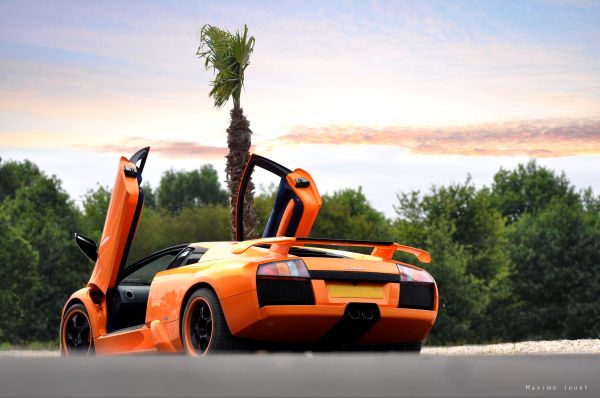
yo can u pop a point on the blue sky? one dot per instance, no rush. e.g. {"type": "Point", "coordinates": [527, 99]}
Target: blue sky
{"type": "Point", "coordinates": [392, 96]}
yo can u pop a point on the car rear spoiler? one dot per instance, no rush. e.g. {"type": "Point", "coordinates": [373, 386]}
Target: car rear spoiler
{"type": "Point", "coordinates": [282, 244]}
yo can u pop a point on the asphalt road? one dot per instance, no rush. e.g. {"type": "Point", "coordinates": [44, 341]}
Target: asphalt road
{"type": "Point", "coordinates": [284, 375]}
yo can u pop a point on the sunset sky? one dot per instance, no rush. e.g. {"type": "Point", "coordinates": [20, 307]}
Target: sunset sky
{"type": "Point", "coordinates": [392, 96]}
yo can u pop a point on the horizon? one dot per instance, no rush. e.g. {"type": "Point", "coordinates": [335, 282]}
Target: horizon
{"type": "Point", "coordinates": [389, 96]}
{"type": "Point", "coordinates": [264, 179]}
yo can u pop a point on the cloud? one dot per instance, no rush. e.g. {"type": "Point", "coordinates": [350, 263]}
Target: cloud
{"type": "Point", "coordinates": [535, 138]}
{"type": "Point", "coordinates": [175, 149]}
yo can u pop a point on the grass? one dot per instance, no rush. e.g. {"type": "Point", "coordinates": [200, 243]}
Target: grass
{"type": "Point", "coordinates": [32, 346]}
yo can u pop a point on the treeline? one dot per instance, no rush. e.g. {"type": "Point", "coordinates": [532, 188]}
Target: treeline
{"type": "Point", "coordinates": [516, 260]}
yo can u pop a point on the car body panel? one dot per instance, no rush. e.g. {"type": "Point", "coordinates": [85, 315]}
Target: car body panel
{"type": "Point", "coordinates": [296, 205]}
{"type": "Point", "coordinates": [398, 325]}
{"type": "Point", "coordinates": [311, 200]}
{"type": "Point", "coordinates": [137, 340]}
{"type": "Point", "coordinates": [122, 219]}
{"type": "Point", "coordinates": [96, 315]}
{"type": "Point", "coordinates": [235, 285]}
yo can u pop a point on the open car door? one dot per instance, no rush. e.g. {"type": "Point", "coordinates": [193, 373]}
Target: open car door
{"type": "Point", "coordinates": [122, 219]}
{"type": "Point", "coordinates": [297, 201]}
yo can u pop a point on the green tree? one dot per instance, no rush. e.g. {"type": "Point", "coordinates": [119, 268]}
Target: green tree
{"type": "Point", "coordinates": [14, 175]}
{"type": "Point", "coordinates": [18, 283]}
{"type": "Point", "coordinates": [160, 229]}
{"type": "Point", "coordinates": [556, 253]}
{"type": "Point", "coordinates": [551, 231]}
{"type": "Point", "coordinates": [150, 199]}
{"type": "Point", "coordinates": [95, 207]}
{"type": "Point", "coordinates": [47, 219]}
{"type": "Point", "coordinates": [477, 247]}
{"type": "Point", "coordinates": [462, 296]}
{"type": "Point", "coordinates": [347, 214]}
{"type": "Point", "coordinates": [528, 189]}
{"type": "Point", "coordinates": [228, 55]}
{"type": "Point", "coordinates": [263, 204]}
{"type": "Point", "coordinates": [534, 277]}
{"type": "Point", "coordinates": [180, 189]}
{"type": "Point", "coordinates": [192, 210]}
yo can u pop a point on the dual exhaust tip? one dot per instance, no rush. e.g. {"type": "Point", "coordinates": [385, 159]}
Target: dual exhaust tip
{"type": "Point", "coordinates": [357, 313]}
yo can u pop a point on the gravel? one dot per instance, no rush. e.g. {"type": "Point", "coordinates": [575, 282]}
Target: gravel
{"type": "Point", "coordinates": [30, 353]}
{"type": "Point", "coordinates": [588, 346]}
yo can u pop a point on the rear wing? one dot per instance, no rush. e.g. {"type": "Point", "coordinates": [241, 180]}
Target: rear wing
{"type": "Point", "coordinates": [282, 244]}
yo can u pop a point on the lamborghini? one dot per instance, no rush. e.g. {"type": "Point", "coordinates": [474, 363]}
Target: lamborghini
{"type": "Point", "coordinates": [283, 291]}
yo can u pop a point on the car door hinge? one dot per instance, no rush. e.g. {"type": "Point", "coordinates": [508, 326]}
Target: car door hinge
{"type": "Point", "coordinates": [130, 171]}
{"type": "Point", "coordinates": [302, 182]}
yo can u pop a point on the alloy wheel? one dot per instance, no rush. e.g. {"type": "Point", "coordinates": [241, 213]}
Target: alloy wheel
{"type": "Point", "coordinates": [77, 336]}
{"type": "Point", "coordinates": [200, 326]}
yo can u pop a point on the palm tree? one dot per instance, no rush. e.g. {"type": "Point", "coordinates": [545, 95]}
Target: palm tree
{"type": "Point", "coordinates": [228, 55]}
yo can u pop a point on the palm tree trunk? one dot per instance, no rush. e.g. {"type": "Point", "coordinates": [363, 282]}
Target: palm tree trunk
{"type": "Point", "coordinates": [238, 141]}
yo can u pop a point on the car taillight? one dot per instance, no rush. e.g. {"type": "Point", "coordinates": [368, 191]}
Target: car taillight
{"type": "Point", "coordinates": [408, 274]}
{"type": "Point", "coordinates": [287, 268]}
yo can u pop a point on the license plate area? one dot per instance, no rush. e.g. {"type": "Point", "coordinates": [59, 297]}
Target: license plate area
{"type": "Point", "coordinates": [355, 290]}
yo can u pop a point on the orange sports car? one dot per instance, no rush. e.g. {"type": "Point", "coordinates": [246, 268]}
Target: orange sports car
{"type": "Point", "coordinates": [282, 291]}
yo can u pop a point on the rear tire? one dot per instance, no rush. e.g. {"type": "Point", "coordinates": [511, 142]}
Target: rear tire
{"type": "Point", "coordinates": [411, 347]}
{"type": "Point", "coordinates": [76, 336]}
{"type": "Point", "coordinates": [204, 329]}
{"type": "Point", "coordinates": [414, 348]}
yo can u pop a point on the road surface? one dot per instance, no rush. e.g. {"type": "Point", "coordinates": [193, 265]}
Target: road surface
{"type": "Point", "coordinates": [302, 375]}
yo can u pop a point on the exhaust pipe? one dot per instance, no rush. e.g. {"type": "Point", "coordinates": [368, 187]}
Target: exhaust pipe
{"type": "Point", "coordinates": [362, 313]}
{"type": "Point", "coordinates": [354, 313]}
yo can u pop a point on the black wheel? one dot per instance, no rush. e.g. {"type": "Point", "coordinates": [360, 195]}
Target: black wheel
{"type": "Point", "coordinates": [75, 332]}
{"type": "Point", "coordinates": [203, 327]}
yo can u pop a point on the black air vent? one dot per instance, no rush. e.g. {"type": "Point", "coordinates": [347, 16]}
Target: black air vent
{"type": "Point", "coordinates": [355, 276]}
{"type": "Point", "coordinates": [274, 291]}
{"type": "Point", "coordinates": [416, 295]}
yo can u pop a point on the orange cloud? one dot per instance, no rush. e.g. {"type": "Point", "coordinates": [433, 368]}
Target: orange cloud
{"type": "Point", "coordinates": [535, 138]}
{"type": "Point", "coordinates": [178, 149]}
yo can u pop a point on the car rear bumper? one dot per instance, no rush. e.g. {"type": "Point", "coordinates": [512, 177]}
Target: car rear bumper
{"type": "Point", "coordinates": [311, 324]}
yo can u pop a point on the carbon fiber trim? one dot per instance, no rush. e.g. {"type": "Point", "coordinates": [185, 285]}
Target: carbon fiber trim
{"type": "Point", "coordinates": [351, 326]}
{"type": "Point", "coordinates": [418, 295]}
{"type": "Point", "coordinates": [355, 276]}
{"type": "Point", "coordinates": [342, 241]}
{"type": "Point", "coordinates": [284, 292]}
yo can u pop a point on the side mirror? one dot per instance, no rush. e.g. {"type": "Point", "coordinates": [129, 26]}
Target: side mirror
{"type": "Point", "coordinates": [87, 246]}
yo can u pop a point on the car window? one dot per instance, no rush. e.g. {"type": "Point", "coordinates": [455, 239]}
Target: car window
{"type": "Point", "coordinates": [195, 256]}
{"type": "Point", "coordinates": [180, 260]}
{"type": "Point", "coordinates": [145, 273]}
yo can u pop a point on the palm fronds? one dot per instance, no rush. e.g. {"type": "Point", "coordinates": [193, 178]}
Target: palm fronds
{"type": "Point", "coordinates": [228, 55]}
